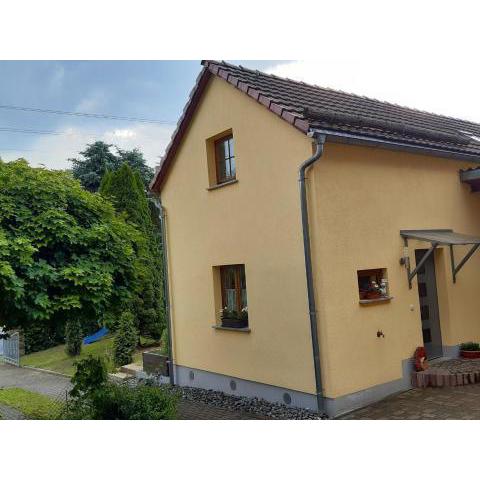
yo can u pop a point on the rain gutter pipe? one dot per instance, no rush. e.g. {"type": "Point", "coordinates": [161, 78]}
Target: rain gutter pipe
{"type": "Point", "coordinates": [166, 291]}
{"type": "Point", "coordinates": [319, 140]}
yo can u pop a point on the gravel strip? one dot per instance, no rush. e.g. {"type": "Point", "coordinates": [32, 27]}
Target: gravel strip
{"type": "Point", "coordinates": [254, 405]}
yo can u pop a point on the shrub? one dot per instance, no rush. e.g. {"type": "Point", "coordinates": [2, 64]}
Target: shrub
{"type": "Point", "coordinates": [120, 402]}
{"type": "Point", "coordinates": [92, 397]}
{"type": "Point", "coordinates": [470, 346]}
{"type": "Point", "coordinates": [41, 335]}
{"type": "Point", "coordinates": [90, 374]}
{"type": "Point", "coordinates": [125, 189]}
{"type": "Point", "coordinates": [73, 337]}
{"type": "Point", "coordinates": [126, 339]}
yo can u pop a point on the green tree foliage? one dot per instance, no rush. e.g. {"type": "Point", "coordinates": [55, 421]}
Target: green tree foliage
{"type": "Point", "coordinates": [126, 339]}
{"type": "Point", "coordinates": [98, 158]}
{"type": "Point", "coordinates": [90, 374]}
{"type": "Point", "coordinates": [134, 158]}
{"type": "Point", "coordinates": [125, 190]}
{"type": "Point", "coordinates": [42, 335]}
{"type": "Point", "coordinates": [73, 336]}
{"type": "Point", "coordinates": [64, 253]}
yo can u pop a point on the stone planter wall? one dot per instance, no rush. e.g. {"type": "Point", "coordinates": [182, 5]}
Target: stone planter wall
{"type": "Point", "coordinates": [155, 363]}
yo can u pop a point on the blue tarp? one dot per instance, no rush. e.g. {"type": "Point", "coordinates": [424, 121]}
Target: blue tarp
{"type": "Point", "coordinates": [96, 336]}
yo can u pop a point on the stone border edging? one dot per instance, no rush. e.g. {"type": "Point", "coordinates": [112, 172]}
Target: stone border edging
{"type": "Point", "coordinates": [436, 379]}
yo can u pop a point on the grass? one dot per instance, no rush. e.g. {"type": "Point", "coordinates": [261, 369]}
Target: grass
{"type": "Point", "coordinates": [57, 360]}
{"type": "Point", "coordinates": [33, 405]}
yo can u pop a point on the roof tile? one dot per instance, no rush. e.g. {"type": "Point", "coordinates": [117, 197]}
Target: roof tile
{"type": "Point", "coordinates": [309, 107]}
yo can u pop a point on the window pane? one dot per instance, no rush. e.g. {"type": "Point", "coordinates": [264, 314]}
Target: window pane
{"type": "Point", "coordinates": [243, 287]}
{"type": "Point", "coordinates": [229, 277]}
{"type": "Point", "coordinates": [227, 169]}
{"type": "Point", "coordinates": [233, 171]}
{"type": "Point", "coordinates": [220, 151]}
{"type": "Point", "coordinates": [222, 171]}
{"type": "Point", "coordinates": [231, 299]}
{"type": "Point", "coordinates": [224, 158]}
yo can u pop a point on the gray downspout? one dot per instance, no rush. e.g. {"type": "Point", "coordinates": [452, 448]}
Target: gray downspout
{"type": "Point", "coordinates": [166, 291]}
{"type": "Point", "coordinates": [320, 141]}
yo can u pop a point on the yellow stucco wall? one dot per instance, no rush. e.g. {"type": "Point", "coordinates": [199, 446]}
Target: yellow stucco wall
{"type": "Point", "coordinates": [255, 222]}
{"type": "Point", "coordinates": [360, 198]}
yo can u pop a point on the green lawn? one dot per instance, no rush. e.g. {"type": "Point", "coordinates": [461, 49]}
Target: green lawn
{"type": "Point", "coordinates": [33, 405]}
{"type": "Point", "coordinates": [57, 360]}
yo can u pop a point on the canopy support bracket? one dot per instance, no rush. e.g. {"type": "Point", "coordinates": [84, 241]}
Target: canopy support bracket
{"type": "Point", "coordinates": [411, 274]}
{"type": "Point", "coordinates": [456, 269]}
{"type": "Point", "coordinates": [444, 237]}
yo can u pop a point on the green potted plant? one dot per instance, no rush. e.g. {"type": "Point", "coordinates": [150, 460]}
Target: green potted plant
{"type": "Point", "coordinates": [233, 319]}
{"type": "Point", "coordinates": [470, 350]}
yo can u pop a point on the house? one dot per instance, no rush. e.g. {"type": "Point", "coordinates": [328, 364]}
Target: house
{"type": "Point", "coordinates": [338, 231]}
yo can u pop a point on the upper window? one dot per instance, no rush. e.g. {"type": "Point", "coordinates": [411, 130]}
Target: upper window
{"type": "Point", "coordinates": [225, 159]}
{"type": "Point", "coordinates": [234, 312]}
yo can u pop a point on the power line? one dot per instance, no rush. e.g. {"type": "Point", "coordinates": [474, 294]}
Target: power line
{"type": "Point", "coordinates": [88, 115]}
{"type": "Point", "coordinates": [34, 132]}
{"type": "Point", "coordinates": [53, 132]}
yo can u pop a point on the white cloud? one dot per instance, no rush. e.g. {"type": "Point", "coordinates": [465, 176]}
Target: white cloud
{"type": "Point", "coordinates": [417, 84]}
{"type": "Point", "coordinates": [122, 133]}
{"type": "Point", "coordinates": [53, 151]}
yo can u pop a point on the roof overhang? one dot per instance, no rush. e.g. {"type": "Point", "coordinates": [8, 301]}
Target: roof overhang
{"type": "Point", "coordinates": [437, 238]}
{"type": "Point", "coordinates": [356, 139]}
{"type": "Point", "coordinates": [420, 140]}
{"type": "Point", "coordinates": [472, 178]}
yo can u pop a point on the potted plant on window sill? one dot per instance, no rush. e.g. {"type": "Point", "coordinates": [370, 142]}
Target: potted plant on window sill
{"type": "Point", "coordinates": [375, 291]}
{"type": "Point", "coordinates": [470, 350]}
{"type": "Point", "coordinates": [233, 319]}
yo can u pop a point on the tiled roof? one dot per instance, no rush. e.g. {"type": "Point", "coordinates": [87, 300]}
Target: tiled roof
{"type": "Point", "coordinates": [309, 107]}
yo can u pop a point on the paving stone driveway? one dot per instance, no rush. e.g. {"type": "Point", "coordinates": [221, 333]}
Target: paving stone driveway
{"type": "Point", "coordinates": [452, 403]}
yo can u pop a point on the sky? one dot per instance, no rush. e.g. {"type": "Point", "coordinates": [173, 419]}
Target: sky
{"type": "Point", "coordinates": [158, 90]}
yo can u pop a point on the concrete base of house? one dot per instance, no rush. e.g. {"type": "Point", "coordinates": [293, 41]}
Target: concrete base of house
{"type": "Point", "coordinates": [451, 351]}
{"type": "Point", "coordinates": [192, 377]}
{"type": "Point", "coordinates": [334, 407]}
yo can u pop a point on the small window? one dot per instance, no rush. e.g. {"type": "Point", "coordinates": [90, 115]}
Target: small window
{"type": "Point", "coordinates": [225, 159]}
{"type": "Point", "coordinates": [234, 312]}
{"type": "Point", "coordinates": [373, 285]}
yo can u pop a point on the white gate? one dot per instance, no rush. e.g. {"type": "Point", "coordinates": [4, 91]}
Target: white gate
{"type": "Point", "coordinates": [11, 349]}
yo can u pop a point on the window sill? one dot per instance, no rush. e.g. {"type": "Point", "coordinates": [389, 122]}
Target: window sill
{"type": "Point", "coordinates": [231, 329]}
{"type": "Point", "coordinates": [375, 300]}
{"type": "Point", "coordinates": [220, 185]}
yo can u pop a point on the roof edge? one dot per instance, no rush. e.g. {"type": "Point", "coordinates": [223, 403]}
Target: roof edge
{"type": "Point", "coordinates": [213, 68]}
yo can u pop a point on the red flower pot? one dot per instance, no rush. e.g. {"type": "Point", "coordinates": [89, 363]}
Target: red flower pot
{"type": "Point", "coordinates": [470, 353]}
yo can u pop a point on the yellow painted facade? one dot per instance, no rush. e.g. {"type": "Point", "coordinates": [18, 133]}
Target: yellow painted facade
{"type": "Point", "coordinates": [359, 198]}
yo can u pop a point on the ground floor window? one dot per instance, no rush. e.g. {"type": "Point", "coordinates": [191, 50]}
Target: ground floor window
{"type": "Point", "coordinates": [372, 284]}
{"type": "Point", "coordinates": [234, 313]}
